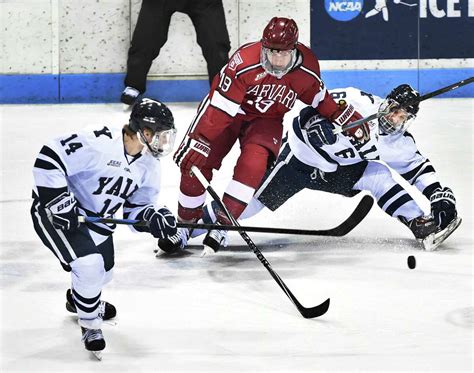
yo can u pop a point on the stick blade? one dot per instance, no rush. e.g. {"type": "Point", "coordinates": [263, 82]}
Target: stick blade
{"type": "Point", "coordinates": [312, 312]}
{"type": "Point", "coordinates": [360, 212]}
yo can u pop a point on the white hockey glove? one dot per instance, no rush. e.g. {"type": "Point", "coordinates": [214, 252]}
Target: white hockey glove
{"type": "Point", "coordinates": [62, 212]}
{"type": "Point", "coordinates": [443, 207]}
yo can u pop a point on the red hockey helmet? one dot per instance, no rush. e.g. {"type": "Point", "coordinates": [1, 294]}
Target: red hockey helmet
{"type": "Point", "coordinates": [280, 33]}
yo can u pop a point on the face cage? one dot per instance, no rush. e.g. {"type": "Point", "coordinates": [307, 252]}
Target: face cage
{"type": "Point", "coordinates": [161, 144]}
{"type": "Point", "coordinates": [270, 69]}
{"type": "Point", "coordinates": [396, 120]}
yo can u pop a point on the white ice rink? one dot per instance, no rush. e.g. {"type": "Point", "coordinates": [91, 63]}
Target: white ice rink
{"type": "Point", "coordinates": [226, 313]}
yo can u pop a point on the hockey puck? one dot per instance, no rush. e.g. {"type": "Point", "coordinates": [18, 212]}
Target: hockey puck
{"type": "Point", "coordinates": [411, 262]}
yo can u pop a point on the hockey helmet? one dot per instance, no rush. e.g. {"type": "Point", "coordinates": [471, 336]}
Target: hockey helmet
{"type": "Point", "coordinates": [279, 41]}
{"type": "Point", "coordinates": [157, 117]}
{"type": "Point", "coordinates": [400, 108]}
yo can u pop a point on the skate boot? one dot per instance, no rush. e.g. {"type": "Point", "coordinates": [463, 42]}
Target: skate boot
{"type": "Point", "coordinates": [433, 240]}
{"type": "Point", "coordinates": [213, 241]}
{"type": "Point", "coordinates": [93, 341]}
{"type": "Point", "coordinates": [172, 244]}
{"type": "Point", "coordinates": [421, 226]}
{"type": "Point", "coordinates": [129, 95]}
{"type": "Point", "coordinates": [106, 310]}
{"type": "Point", "coordinates": [428, 233]}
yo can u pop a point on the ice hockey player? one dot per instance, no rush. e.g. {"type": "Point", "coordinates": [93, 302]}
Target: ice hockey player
{"type": "Point", "coordinates": [247, 101]}
{"type": "Point", "coordinates": [314, 158]}
{"type": "Point", "coordinates": [94, 173]}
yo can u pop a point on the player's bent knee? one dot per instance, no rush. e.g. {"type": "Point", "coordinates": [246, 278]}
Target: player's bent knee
{"type": "Point", "coordinates": [251, 165]}
{"type": "Point", "coordinates": [88, 274]}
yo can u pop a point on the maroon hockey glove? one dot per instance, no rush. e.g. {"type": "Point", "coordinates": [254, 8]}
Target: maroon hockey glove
{"type": "Point", "coordinates": [347, 114]}
{"type": "Point", "coordinates": [192, 152]}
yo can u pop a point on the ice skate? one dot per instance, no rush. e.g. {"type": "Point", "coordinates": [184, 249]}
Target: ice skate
{"type": "Point", "coordinates": [421, 226]}
{"type": "Point", "coordinates": [107, 311]}
{"type": "Point", "coordinates": [213, 241]}
{"type": "Point", "coordinates": [432, 241]}
{"type": "Point", "coordinates": [173, 244]}
{"type": "Point", "coordinates": [93, 341]}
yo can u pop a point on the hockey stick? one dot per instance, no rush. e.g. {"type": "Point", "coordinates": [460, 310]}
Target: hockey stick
{"type": "Point", "coordinates": [419, 99]}
{"type": "Point", "coordinates": [360, 212]}
{"type": "Point", "coordinates": [307, 313]}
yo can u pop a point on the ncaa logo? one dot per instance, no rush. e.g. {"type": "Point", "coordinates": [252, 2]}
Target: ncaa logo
{"type": "Point", "coordinates": [343, 10]}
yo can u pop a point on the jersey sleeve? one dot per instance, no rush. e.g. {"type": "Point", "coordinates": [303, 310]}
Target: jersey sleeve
{"type": "Point", "coordinates": [412, 165]}
{"type": "Point", "coordinates": [224, 103]}
{"type": "Point", "coordinates": [59, 160]}
{"type": "Point", "coordinates": [146, 196]}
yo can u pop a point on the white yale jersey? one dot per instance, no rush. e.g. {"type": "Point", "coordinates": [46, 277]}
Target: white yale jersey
{"type": "Point", "coordinates": [399, 151]}
{"type": "Point", "coordinates": [94, 166]}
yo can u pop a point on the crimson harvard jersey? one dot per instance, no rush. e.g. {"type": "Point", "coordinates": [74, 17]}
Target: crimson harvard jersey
{"type": "Point", "coordinates": [244, 88]}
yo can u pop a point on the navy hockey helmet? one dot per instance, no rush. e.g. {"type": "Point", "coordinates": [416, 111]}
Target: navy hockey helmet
{"type": "Point", "coordinates": [152, 114]}
{"type": "Point", "coordinates": [157, 117]}
{"type": "Point", "coordinates": [397, 114]}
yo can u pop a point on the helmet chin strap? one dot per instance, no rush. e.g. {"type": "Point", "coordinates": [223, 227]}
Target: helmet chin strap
{"type": "Point", "coordinates": [144, 142]}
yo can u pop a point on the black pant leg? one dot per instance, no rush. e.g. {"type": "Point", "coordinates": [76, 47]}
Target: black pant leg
{"type": "Point", "coordinates": [149, 36]}
{"type": "Point", "coordinates": [281, 182]}
{"type": "Point", "coordinates": [208, 18]}
{"type": "Point", "coordinates": [66, 246]}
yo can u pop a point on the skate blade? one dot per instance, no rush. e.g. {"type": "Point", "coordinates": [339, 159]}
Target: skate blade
{"type": "Point", "coordinates": [432, 242]}
{"type": "Point", "coordinates": [97, 355]}
{"type": "Point", "coordinates": [160, 253]}
{"type": "Point", "coordinates": [207, 252]}
{"type": "Point", "coordinates": [126, 108]}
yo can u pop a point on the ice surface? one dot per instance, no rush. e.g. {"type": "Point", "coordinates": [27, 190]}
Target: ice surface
{"type": "Point", "coordinates": [226, 313]}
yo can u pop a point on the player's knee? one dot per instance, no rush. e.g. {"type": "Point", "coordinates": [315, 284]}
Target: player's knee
{"type": "Point", "coordinates": [190, 185]}
{"type": "Point", "coordinates": [88, 274]}
{"type": "Point", "coordinates": [379, 173]}
{"type": "Point", "coordinates": [251, 165]}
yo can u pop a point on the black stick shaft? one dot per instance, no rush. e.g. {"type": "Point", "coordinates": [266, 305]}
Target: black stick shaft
{"type": "Point", "coordinates": [305, 312]}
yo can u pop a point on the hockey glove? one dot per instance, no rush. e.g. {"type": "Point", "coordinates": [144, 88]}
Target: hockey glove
{"type": "Point", "coordinates": [162, 222]}
{"type": "Point", "coordinates": [319, 131]}
{"type": "Point", "coordinates": [347, 114]}
{"type": "Point", "coordinates": [192, 152]}
{"type": "Point", "coordinates": [62, 212]}
{"type": "Point", "coordinates": [443, 207]}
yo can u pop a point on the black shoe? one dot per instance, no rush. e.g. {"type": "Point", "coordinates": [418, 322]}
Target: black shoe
{"type": "Point", "coordinates": [93, 339]}
{"type": "Point", "coordinates": [129, 95]}
{"type": "Point", "coordinates": [106, 310]}
{"type": "Point", "coordinates": [421, 226]}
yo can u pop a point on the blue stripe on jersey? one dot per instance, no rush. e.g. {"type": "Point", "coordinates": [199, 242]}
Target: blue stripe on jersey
{"type": "Point", "coordinates": [421, 169]}
{"type": "Point", "coordinates": [44, 165]}
{"type": "Point", "coordinates": [130, 205]}
{"type": "Point", "coordinates": [47, 151]}
{"type": "Point", "coordinates": [47, 194]}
